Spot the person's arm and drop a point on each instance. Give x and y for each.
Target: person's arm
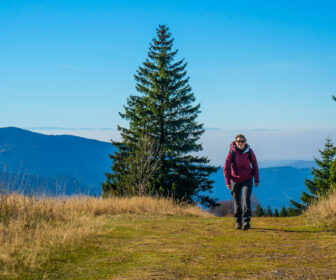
(255, 169)
(227, 170)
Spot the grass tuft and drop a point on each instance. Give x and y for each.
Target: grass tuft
(323, 213)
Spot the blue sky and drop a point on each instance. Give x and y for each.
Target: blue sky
(266, 65)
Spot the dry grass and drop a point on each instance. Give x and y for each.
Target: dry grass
(32, 228)
(137, 206)
(323, 213)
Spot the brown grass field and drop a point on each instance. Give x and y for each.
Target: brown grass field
(147, 238)
(32, 228)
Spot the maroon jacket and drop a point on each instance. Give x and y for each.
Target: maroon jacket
(243, 170)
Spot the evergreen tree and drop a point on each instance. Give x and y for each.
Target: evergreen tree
(259, 211)
(283, 212)
(333, 167)
(321, 181)
(276, 213)
(332, 180)
(295, 211)
(164, 110)
(292, 212)
(269, 212)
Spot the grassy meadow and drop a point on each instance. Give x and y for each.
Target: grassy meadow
(147, 238)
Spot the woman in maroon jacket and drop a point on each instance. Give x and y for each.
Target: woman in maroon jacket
(239, 169)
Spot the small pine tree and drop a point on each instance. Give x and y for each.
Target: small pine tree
(320, 183)
(276, 213)
(292, 212)
(269, 212)
(283, 212)
(259, 211)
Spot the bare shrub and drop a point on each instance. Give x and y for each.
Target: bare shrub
(226, 208)
(143, 163)
(135, 169)
(254, 203)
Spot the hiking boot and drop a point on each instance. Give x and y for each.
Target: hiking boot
(246, 226)
(238, 226)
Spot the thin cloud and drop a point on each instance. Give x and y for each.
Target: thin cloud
(67, 128)
(264, 129)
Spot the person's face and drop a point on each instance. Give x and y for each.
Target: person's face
(240, 142)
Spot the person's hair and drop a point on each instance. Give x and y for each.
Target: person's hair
(240, 136)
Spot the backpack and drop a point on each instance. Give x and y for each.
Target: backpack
(233, 158)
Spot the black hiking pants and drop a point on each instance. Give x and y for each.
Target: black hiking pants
(241, 192)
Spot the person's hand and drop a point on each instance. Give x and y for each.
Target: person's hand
(256, 184)
(228, 186)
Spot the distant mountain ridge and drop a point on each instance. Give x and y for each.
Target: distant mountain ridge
(292, 163)
(78, 159)
(65, 164)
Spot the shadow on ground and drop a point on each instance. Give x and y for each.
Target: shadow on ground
(286, 230)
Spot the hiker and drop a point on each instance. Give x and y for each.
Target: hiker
(239, 169)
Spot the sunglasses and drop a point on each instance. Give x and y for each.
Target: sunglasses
(240, 141)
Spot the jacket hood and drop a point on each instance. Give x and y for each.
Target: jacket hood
(234, 147)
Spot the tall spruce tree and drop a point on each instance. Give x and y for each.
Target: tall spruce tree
(321, 182)
(164, 110)
(276, 213)
(283, 212)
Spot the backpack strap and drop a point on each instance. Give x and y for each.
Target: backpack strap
(233, 160)
(250, 155)
(233, 157)
(250, 158)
